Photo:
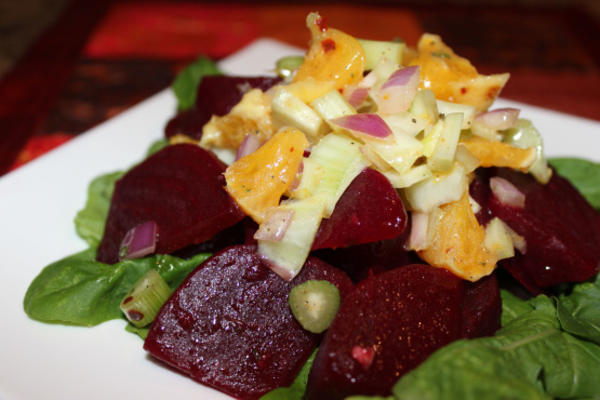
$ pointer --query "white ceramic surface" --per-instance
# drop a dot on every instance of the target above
(37, 205)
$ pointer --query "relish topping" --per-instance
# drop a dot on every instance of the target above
(419, 116)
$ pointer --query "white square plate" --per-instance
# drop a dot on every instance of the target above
(37, 205)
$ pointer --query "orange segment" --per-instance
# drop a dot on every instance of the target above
(258, 180)
(332, 56)
(452, 77)
(456, 242)
(499, 154)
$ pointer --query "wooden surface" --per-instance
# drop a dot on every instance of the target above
(100, 58)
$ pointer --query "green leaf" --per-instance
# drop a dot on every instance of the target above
(90, 221)
(157, 146)
(512, 306)
(296, 390)
(579, 312)
(141, 332)
(81, 291)
(467, 370)
(529, 355)
(583, 174)
(187, 81)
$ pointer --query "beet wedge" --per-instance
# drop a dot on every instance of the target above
(216, 95)
(369, 210)
(393, 321)
(181, 189)
(229, 325)
(561, 230)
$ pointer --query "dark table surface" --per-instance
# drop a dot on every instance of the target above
(99, 58)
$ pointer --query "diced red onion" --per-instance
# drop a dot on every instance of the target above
(139, 241)
(506, 192)
(249, 145)
(402, 77)
(356, 95)
(418, 231)
(398, 92)
(500, 119)
(275, 225)
(283, 273)
(367, 124)
(368, 81)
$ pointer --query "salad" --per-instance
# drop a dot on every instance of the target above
(363, 171)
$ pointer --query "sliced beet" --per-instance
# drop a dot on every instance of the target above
(181, 189)
(188, 122)
(369, 210)
(561, 229)
(364, 260)
(390, 323)
(229, 326)
(482, 308)
(216, 94)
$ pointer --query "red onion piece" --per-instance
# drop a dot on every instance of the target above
(139, 241)
(402, 77)
(249, 145)
(500, 119)
(506, 192)
(356, 95)
(366, 124)
(418, 231)
(369, 80)
(398, 92)
(275, 225)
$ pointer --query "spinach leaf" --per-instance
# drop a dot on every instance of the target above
(512, 306)
(468, 370)
(530, 355)
(187, 81)
(583, 174)
(296, 390)
(157, 146)
(90, 221)
(579, 312)
(81, 291)
(141, 332)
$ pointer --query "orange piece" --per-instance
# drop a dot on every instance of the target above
(499, 154)
(332, 56)
(454, 78)
(258, 180)
(456, 242)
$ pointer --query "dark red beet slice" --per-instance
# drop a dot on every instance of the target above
(181, 189)
(369, 210)
(228, 325)
(217, 94)
(482, 308)
(364, 260)
(188, 122)
(390, 323)
(561, 229)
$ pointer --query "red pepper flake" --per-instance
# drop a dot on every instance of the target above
(128, 299)
(463, 90)
(321, 23)
(364, 356)
(328, 45)
(292, 149)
